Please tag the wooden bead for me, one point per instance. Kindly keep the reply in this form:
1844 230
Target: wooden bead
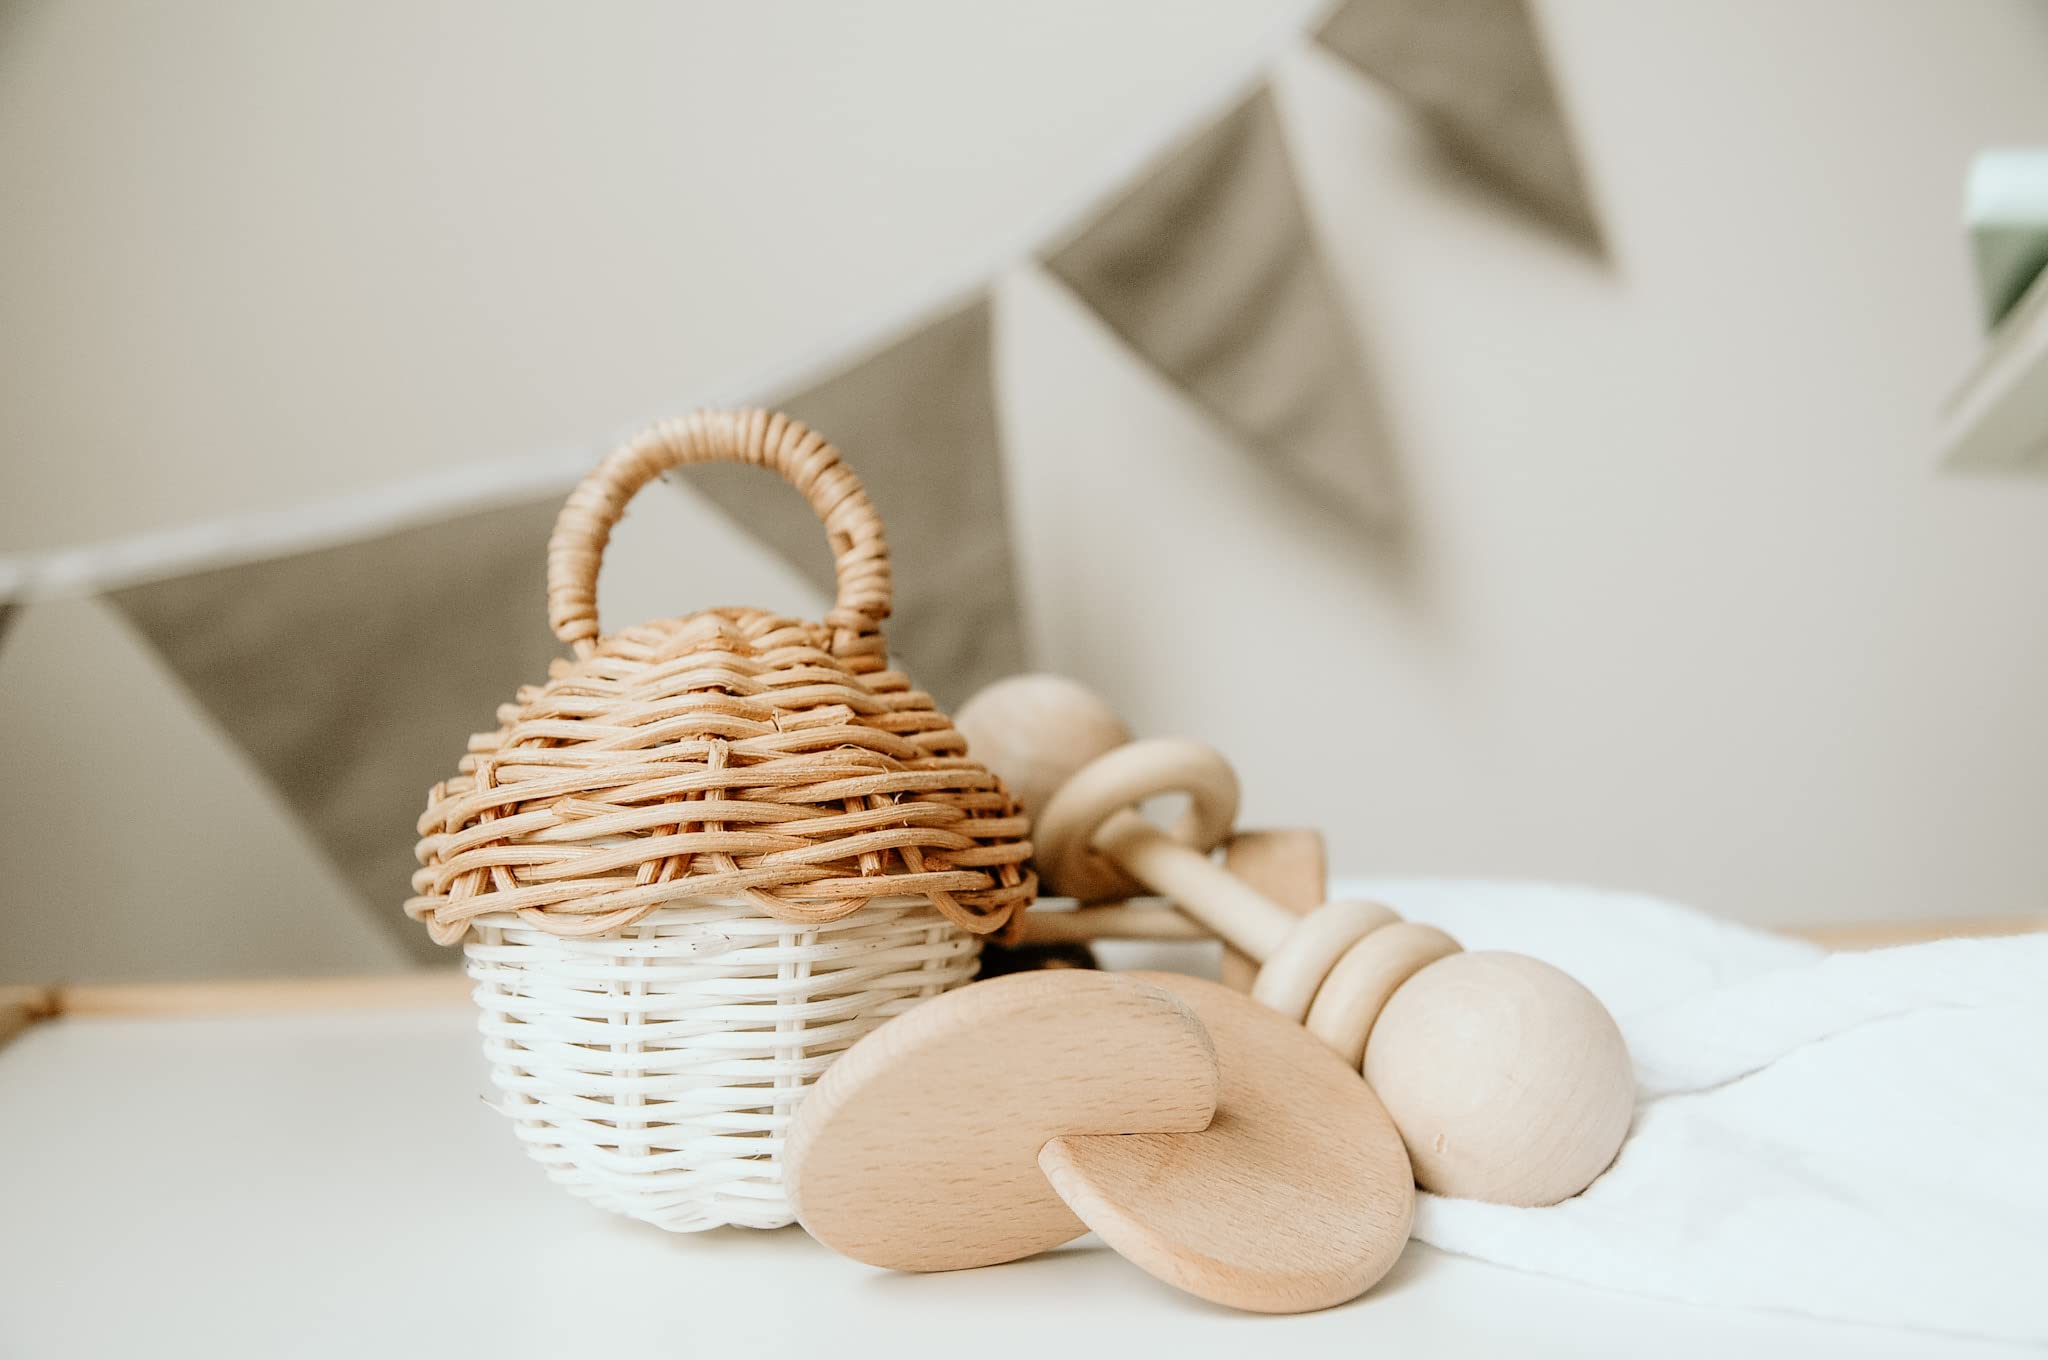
1036 731
1291 978
1372 970
1508 1079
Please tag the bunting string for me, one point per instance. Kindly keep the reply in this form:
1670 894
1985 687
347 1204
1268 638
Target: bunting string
341 646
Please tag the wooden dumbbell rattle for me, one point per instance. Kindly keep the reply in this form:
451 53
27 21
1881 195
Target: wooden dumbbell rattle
1507 1079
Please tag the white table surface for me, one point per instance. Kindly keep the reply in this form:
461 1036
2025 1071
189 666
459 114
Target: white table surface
332 1184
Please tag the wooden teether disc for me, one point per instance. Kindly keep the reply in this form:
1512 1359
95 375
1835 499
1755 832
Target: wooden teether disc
1297 1196
918 1148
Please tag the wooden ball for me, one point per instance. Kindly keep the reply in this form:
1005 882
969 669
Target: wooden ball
1037 731
1508 1079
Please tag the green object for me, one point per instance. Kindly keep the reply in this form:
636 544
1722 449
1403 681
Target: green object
2007 210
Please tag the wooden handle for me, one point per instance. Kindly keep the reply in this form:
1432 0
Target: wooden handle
1199 886
761 438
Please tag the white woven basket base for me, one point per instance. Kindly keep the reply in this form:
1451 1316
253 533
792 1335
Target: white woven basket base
654 1072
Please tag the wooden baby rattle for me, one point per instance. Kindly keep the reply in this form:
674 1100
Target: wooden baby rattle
1507 1079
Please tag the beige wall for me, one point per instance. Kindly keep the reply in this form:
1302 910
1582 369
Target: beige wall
1683 605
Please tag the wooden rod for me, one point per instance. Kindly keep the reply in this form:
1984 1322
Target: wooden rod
1085 925
1245 918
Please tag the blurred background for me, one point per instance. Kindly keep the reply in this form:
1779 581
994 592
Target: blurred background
1653 579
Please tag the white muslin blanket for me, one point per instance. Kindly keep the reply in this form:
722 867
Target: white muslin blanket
1857 1135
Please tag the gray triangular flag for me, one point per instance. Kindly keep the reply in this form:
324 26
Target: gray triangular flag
917 421
1207 267
352 675
1474 70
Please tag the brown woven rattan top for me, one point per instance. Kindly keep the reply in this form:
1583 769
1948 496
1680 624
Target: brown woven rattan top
726 753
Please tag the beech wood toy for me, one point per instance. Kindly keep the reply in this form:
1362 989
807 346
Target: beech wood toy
1286 864
1508 1080
1215 1145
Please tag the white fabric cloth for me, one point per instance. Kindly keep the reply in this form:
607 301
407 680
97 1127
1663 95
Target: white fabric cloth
1860 1136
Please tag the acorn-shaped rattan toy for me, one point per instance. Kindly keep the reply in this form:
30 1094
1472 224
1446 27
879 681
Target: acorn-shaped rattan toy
708 855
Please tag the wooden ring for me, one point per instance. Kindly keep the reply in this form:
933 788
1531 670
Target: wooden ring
1065 831
1297 968
1370 972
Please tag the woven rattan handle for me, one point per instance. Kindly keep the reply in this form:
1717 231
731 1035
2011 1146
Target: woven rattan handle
764 439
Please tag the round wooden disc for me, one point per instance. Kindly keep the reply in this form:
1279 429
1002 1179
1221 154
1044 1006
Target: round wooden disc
1297 1196
917 1149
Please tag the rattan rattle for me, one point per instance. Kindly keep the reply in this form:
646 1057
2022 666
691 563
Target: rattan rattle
707 855
1508 1080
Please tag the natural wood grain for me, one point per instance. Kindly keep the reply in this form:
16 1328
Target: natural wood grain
1117 921
1508 1080
1362 981
1297 1197
1293 977
1070 838
918 1149
1534 1127
1196 884
1289 865
1038 730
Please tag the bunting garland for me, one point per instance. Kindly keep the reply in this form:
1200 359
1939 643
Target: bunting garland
344 673
1474 71
1208 269
343 651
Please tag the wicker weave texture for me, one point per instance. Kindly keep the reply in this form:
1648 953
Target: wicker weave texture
730 753
707 855
655 1071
